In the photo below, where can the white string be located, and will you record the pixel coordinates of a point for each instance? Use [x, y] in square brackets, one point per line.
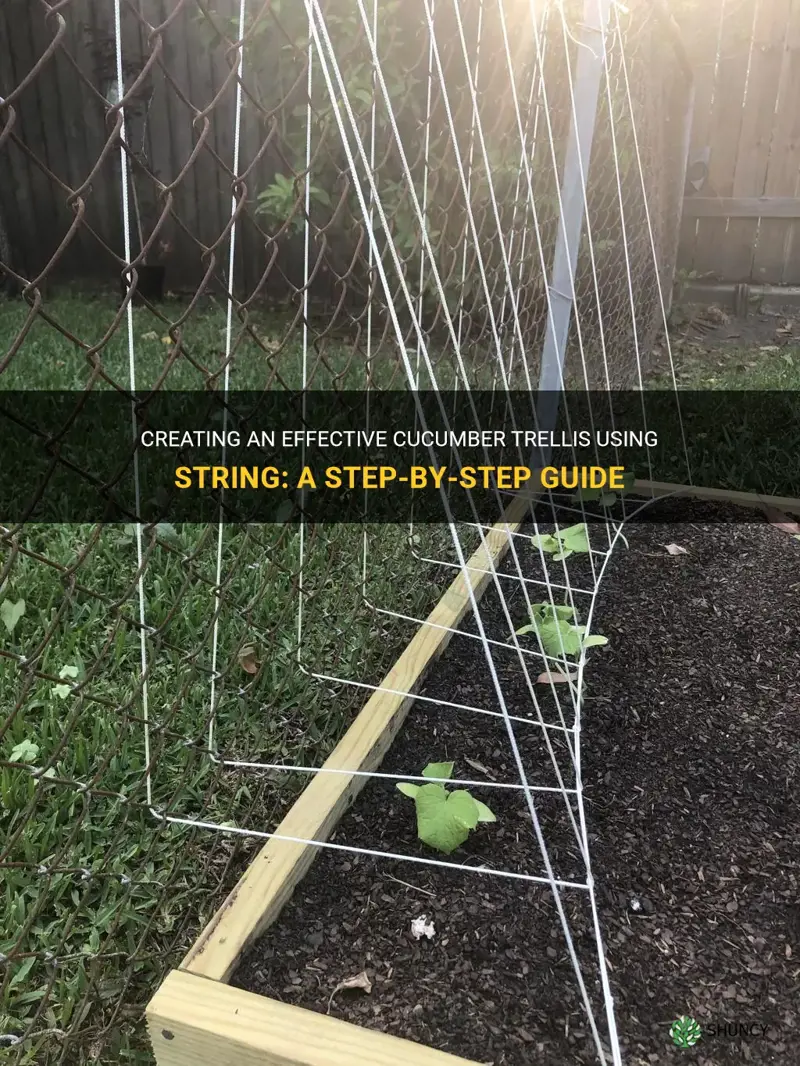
[418, 860]
[126, 228]
[237, 132]
[346, 772]
[304, 356]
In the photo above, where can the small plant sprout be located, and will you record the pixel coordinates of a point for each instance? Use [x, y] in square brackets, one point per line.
[444, 819]
[606, 497]
[557, 631]
[66, 672]
[26, 751]
[564, 542]
[10, 613]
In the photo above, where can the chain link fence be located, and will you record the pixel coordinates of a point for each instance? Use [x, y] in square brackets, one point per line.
[430, 224]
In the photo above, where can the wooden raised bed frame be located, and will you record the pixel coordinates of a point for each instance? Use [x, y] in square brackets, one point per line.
[196, 1018]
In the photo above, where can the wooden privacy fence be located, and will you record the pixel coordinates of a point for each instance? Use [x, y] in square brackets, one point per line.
[741, 215]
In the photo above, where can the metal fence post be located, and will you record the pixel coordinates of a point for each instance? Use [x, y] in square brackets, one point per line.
[588, 75]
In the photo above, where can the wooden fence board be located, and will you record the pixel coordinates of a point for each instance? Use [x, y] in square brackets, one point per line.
[791, 165]
[755, 141]
[726, 123]
[741, 227]
[181, 41]
[701, 33]
[775, 237]
[16, 195]
[102, 199]
[753, 207]
[22, 58]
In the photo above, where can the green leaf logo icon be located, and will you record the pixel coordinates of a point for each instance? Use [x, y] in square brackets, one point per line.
[685, 1031]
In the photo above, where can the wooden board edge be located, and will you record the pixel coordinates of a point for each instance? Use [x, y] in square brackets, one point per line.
[743, 499]
[257, 898]
[783, 207]
[193, 1021]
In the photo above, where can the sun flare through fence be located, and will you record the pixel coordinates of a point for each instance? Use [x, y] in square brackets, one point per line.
[457, 197]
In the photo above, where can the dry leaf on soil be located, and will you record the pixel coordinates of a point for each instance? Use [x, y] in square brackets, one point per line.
[555, 677]
[479, 767]
[676, 549]
[361, 980]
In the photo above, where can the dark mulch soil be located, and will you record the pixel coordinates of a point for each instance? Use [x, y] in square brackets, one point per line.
[690, 750]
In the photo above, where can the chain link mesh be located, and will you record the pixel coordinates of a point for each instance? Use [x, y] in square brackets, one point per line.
[455, 195]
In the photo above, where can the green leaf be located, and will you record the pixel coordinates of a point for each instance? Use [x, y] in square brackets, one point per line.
[167, 532]
[444, 820]
[438, 769]
[575, 538]
[25, 751]
[408, 789]
[559, 638]
[484, 813]
[563, 612]
[606, 497]
[62, 691]
[546, 542]
[11, 613]
[464, 807]
[557, 633]
[22, 971]
[320, 195]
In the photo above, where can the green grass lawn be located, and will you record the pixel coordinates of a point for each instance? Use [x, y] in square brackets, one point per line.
[736, 369]
[183, 347]
[169, 353]
[99, 896]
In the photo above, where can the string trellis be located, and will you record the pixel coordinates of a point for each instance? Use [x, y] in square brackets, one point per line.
[452, 197]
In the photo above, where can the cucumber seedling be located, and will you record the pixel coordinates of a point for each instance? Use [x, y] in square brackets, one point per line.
[558, 632]
[564, 542]
[444, 819]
